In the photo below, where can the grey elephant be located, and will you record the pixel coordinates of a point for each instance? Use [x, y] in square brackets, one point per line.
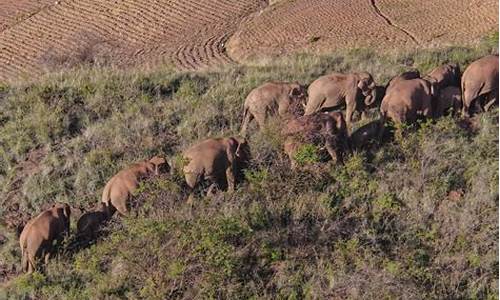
[405, 100]
[216, 160]
[271, 99]
[326, 130]
[357, 91]
[88, 224]
[407, 75]
[38, 236]
[443, 76]
[117, 193]
[449, 100]
[365, 135]
[480, 85]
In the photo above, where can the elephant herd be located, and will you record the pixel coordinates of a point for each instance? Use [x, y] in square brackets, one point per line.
[310, 116]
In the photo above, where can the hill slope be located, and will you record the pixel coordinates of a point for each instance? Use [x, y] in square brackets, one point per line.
[415, 218]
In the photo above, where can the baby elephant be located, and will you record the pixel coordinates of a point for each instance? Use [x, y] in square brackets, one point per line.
[89, 222]
[218, 161]
[119, 189]
[449, 100]
[39, 234]
[366, 135]
[271, 99]
[328, 129]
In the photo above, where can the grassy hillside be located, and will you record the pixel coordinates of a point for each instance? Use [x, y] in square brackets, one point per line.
[415, 218]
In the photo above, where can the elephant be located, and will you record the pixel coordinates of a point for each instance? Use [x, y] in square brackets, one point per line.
[365, 135]
[119, 189]
[449, 99]
[480, 85]
[405, 100]
[443, 76]
[273, 98]
[216, 160]
[38, 236]
[89, 223]
[408, 75]
[356, 90]
[325, 129]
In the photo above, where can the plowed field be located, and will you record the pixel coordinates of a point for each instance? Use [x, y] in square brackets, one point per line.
[15, 11]
[383, 24]
[189, 33]
[193, 34]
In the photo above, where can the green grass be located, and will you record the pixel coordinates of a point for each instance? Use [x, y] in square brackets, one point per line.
[380, 226]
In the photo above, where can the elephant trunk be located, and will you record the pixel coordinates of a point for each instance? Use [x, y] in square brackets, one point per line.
[371, 97]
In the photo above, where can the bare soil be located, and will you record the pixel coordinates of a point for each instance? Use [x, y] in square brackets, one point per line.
[323, 25]
[40, 35]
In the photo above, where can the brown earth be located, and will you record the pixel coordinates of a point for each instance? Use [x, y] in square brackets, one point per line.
[324, 25]
[40, 35]
[188, 33]
[16, 11]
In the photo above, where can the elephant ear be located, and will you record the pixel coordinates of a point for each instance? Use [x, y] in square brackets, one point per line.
[296, 91]
[63, 210]
[159, 163]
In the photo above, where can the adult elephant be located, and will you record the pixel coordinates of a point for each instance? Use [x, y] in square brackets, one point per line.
[38, 236]
[325, 130]
[217, 160]
[119, 189]
[356, 90]
[405, 100]
[443, 76]
[408, 75]
[480, 84]
[270, 99]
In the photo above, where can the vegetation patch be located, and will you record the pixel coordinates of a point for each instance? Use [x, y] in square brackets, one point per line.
[416, 217]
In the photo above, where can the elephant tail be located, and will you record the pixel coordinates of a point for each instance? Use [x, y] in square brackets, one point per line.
[247, 118]
[24, 258]
[106, 193]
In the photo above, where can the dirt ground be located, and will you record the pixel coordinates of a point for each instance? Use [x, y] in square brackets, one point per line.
[323, 25]
[36, 36]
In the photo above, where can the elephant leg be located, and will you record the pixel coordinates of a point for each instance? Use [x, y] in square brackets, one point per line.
[24, 262]
[261, 119]
[332, 151]
[192, 180]
[350, 107]
[246, 121]
[465, 110]
[211, 189]
[190, 199]
[491, 99]
[230, 178]
[47, 257]
[121, 206]
[364, 115]
[31, 263]
[477, 105]
[468, 102]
